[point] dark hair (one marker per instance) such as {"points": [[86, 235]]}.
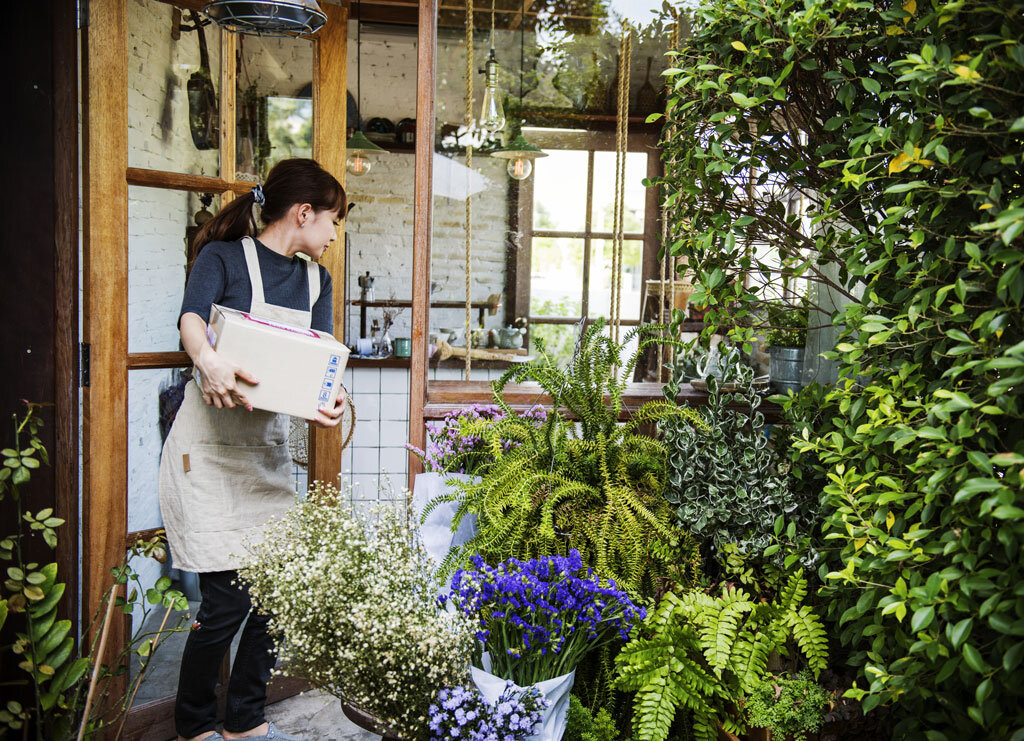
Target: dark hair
{"points": [[290, 181]]}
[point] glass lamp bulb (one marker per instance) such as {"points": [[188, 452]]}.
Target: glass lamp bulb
{"points": [[519, 168], [492, 115], [358, 164]]}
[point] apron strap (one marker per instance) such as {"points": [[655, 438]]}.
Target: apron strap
{"points": [[313, 273], [252, 262]]}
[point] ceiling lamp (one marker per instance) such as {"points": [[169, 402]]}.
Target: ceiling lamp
{"points": [[492, 114], [358, 147], [519, 152], [520, 155], [267, 17]]}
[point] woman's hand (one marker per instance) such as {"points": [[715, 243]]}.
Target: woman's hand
{"points": [[331, 417], [219, 384]]}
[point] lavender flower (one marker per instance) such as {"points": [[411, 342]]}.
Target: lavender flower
{"points": [[538, 618], [463, 713], [451, 448]]}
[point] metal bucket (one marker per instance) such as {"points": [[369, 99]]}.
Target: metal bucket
{"points": [[787, 368]]}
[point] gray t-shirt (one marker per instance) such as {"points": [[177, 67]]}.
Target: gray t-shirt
{"points": [[220, 276]]}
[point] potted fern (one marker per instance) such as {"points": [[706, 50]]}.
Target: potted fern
{"points": [[580, 479]]}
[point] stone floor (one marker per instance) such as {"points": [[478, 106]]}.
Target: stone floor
{"points": [[315, 716]]}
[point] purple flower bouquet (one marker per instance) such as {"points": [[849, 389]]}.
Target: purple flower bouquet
{"points": [[539, 618], [463, 713], [453, 446]]}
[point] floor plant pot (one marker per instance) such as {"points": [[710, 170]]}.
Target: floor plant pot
{"points": [[787, 366], [436, 531], [367, 722], [555, 690]]}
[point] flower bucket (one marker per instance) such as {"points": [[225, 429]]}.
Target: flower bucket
{"points": [[556, 691], [437, 530]]}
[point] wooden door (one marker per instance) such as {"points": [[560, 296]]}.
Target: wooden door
{"points": [[128, 175]]}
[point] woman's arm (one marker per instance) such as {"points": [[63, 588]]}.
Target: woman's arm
{"points": [[219, 386]]}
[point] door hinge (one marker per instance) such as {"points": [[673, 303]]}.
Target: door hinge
{"points": [[83, 363]]}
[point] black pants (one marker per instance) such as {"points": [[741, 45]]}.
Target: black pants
{"points": [[224, 608]]}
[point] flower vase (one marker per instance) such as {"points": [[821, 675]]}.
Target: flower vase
{"points": [[555, 691], [436, 531]]}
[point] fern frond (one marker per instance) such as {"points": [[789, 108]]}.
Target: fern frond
{"points": [[810, 638]]}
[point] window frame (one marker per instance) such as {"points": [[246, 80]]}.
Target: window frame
{"points": [[521, 231]]}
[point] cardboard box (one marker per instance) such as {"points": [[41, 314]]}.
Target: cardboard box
{"points": [[298, 369]]}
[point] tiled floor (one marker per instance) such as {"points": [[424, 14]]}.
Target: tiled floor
{"points": [[315, 716]]}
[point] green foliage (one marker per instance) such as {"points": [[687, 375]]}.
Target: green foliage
{"points": [[581, 480], [44, 647], [725, 482], [787, 326], [900, 124], [582, 725], [790, 707], [704, 654]]}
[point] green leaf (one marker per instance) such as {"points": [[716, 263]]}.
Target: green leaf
{"points": [[973, 659], [922, 618]]}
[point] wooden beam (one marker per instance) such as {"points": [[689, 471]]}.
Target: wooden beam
{"points": [[155, 360], [105, 308], [330, 104], [525, 6], [183, 181], [426, 70]]}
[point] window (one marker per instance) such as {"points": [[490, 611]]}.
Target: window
{"points": [[567, 210]]}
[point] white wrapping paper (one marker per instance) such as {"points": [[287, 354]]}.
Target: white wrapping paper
{"points": [[556, 690]]}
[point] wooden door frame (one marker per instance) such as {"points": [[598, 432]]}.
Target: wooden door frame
{"points": [[105, 181]]}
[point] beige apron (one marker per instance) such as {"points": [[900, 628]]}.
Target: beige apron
{"points": [[224, 473]]}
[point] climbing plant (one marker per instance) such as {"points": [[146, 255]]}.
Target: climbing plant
{"points": [[898, 126]]}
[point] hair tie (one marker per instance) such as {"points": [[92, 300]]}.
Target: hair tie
{"points": [[257, 194]]}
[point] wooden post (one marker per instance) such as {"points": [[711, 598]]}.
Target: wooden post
{"points": [[105, 309], [228, 93], [421, 230], [330, 105]]}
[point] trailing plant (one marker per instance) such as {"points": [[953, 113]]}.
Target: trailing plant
{"points": [[351, 600], [704, 654], [900, 125], [724, 479], [58, 672], [580, 480], [789, 707]]}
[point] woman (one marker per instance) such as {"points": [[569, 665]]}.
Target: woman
{"points": [[225, 468]]}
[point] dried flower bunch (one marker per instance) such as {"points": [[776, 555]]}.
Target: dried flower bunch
{"points": [[539, 618], [463, 713], [353, 609], [456, 445]]}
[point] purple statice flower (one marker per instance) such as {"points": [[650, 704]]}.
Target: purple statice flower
{"points": [[463, 713], [538, 618], [451, 448]]}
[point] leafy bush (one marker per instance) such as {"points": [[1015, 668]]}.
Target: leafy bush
{"points": [[790, 707], [900, 124], [583, 725], [704, 654], [787, 325], [580, 480], [725, 482]]}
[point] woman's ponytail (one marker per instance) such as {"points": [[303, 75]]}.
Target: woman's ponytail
{"points": [[233, 221]]}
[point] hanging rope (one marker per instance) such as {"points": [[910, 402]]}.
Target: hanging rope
{"points": [[469, 194], [618, 210]]}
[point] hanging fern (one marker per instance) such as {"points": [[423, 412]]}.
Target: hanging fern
{"points": [[582, 479], [704, 654]]}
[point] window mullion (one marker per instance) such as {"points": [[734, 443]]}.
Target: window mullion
{"points": [[587, 225]]}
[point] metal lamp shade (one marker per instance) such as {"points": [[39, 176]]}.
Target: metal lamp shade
{"points": [[359, 143], [519, 148], [267, 17]]}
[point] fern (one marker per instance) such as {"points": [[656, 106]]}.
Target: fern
{"points": [[582, 479], [705, 653]]}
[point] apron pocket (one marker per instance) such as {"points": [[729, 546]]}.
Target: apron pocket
{"points": [[237, 487]]}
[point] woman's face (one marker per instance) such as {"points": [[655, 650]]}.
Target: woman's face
{"points": [[319, 231]]}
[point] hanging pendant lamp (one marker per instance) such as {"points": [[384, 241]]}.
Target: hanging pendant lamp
{"points": [[267, 17], [519, 152], [358, 147]]}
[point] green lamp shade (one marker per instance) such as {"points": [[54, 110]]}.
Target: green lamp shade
{"points": [[519, 148], [359, 143]]}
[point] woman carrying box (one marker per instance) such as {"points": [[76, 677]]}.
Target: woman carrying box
{"points": [[225, 469]]}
